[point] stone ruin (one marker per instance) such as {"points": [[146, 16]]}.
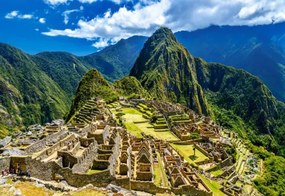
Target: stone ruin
{"points": [[94, 150]]}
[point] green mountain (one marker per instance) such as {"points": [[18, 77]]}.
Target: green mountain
{"points": [[238, 91], [256, 49], [115, 61], [64, 68], [130, 87], [236, 99], [27, 94], [92, 85], [166, 69]]}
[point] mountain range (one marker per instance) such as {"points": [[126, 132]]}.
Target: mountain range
{"points": [[38, 88]]}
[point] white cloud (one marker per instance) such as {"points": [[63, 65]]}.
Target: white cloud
{"points": [[42, 20], [147, 15], [68, 12], [87, 1], [17, 14], [25, 16], [55, 2], [12, 14], [121, 24], [101, 43]]}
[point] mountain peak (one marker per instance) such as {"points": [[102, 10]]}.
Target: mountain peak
{"points": [[164, 68], [161, 34]]}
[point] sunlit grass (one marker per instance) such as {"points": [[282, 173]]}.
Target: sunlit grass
{"points": [[93, 171], [213, 185], [88, 192], [188, 153], [30, 189], [132, 116], [217, 172]]}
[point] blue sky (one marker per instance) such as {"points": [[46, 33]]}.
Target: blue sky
{"points": [[84, 26]]}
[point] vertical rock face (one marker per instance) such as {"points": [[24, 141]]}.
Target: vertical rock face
{"points": [[167, 70]]}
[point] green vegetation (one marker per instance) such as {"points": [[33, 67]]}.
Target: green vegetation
{"points": [[64, 68], [160, 178], [188, 153], [93, 171], [130, 87], [89, 192], [271, 181], [217, 172], [29, 188], [115, 61], [164, 68], [235, 99], [136, 124], [213, 185], [28, 95], [91, 86]]}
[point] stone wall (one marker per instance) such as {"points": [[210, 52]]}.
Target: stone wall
{"points": [[188, 142], [190, 190], [40, 145], [149, 187], [100, 179], [40, 170], [47, 171], [68, 160], [4, 163], [115, 155], [202, 150]]}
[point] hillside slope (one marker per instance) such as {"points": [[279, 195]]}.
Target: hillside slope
{"points": [[64, 68], [116, 61], [165, 68], [256, 49], [28, 95]]}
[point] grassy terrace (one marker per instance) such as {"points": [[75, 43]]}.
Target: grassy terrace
{"points": [[160, 178], [30, 189], [93, 171], [136, 124], [217, 172], [213, 185], [187, 152], [89, 192]]}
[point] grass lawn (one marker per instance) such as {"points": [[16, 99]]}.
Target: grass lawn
{"points": [[6, 192], [187, 151], [157, 175], [89, 192], [30, 189], [217, 172], [93, 171], [133, 129], [213, 185], [133, 115], [160, 175]]}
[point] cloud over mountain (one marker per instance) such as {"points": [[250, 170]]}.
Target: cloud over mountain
{"points": [[147, 15]]}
